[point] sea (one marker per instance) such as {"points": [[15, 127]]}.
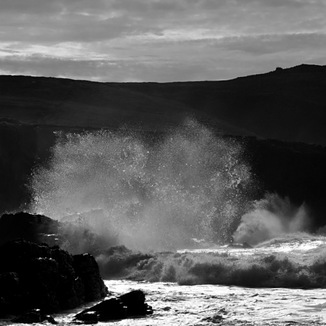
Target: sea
{"points": [[210, 299], [201, 246]]}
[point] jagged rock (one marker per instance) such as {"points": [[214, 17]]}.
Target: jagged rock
{"points": [[134, 301], [88, 317], [48, 278], [36, 228], [87, 269], [129, 305], [34, 316]]}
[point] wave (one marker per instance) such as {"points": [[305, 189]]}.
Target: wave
{"points": [[188, 189], [271, 217], [156, 194], [266, 266]]}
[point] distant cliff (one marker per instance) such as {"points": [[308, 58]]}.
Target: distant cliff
{"points": [[21, 149], [286, 104], [276, 115]]}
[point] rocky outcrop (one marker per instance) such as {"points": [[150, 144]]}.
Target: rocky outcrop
{"points": [[22, 148], [34, 316], [87, 270], [36, 276], [129, 305], [30, 227]]}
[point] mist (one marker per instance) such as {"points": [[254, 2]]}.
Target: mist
{"points": [[190, 185], [270, 217]]}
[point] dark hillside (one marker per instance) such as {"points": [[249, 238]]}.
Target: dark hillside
{"points": [[81, 104], [21, 149], [292, 170], [268, 112], [286, 104]]}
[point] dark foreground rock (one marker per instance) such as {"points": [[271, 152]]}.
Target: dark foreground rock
{"points": [[30, 227], [36, 276], [129, 305], [34, 316]]}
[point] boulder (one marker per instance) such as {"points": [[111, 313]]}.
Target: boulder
{"points": [[88, 271], [129, 305], [34, 316], [36, 276], [134, 302], [35, 228]]}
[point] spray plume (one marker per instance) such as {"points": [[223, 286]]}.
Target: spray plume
{"points": [[190, 184], [270, 217]]}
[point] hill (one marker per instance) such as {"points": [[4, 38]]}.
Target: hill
{"points": [[286, 104], [280, 117]]}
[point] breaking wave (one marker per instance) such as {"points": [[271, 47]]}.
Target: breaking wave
{"points": [[145, 194], [293, 261], [270, 217], [133, 202]]}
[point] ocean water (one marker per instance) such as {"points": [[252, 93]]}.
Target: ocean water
{"points": [[220, 304], [202, 248], [212, 304]]}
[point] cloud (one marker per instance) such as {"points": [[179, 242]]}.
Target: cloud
{"points": [[269, 44], [229, 35], [107, 70], [207, 59]]}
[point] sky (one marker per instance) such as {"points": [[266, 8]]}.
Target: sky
{"points": [[159, 40]]}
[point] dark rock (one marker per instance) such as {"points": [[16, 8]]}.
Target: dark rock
{"points": [[129, 305], [136, 297], [134, 301], [166, 309], [34, 316], [88, 317], [111, 309], [87, 269], [48, 278], [9, 283], [11, 290], [36, 228], [288, 105]]}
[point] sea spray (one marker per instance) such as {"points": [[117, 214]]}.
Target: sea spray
{"points": [[292, 261], [191, 184], [270, 217]]}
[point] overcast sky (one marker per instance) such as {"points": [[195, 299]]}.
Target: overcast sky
{"points": [[159, 40]]}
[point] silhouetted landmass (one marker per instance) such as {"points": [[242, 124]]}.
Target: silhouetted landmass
{"points": [[34, 228], [293, 170], [36, 276], [276, 115], [74, 237], [286, 104], [128, 305], [21, 149]]}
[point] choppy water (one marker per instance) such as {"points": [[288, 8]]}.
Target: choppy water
{"points": [[217, 304], [208, 304], [190, 189], [225, 305], [214, 304]]}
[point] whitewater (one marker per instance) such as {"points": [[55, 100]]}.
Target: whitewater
{"points": [[217, 304], [178, 217]]}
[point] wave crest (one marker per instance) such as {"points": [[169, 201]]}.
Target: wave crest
{"points": [[149, 194]]}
